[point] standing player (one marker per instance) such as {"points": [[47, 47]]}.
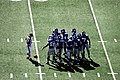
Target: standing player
{"points": [[59, 46], [55, 33], [85, 44], [76, 49], [65, 39], [73, 37], [69, 50], [51, 50], [29, 45]]}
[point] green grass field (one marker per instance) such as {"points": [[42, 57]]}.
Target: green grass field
{"points": [[15, 24]]}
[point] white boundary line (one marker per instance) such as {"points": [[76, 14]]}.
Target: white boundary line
{"points": [[33, 29], [101, 38]]}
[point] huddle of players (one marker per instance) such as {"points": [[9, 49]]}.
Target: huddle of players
{"points": [[72, 46]]}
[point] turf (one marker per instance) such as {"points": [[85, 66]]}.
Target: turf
{"points": [[15, 24]]}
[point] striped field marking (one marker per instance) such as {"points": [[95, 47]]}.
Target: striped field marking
{"points": [[69, 74], [101, 38], [26, 76], [41, 0], [55, 75], [98, 74], [83, 74], [21, 39], [33, 30], [115, 40], [16, 0], [11, 75], [8, 40]]}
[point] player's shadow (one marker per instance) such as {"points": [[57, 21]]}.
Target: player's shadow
{"points": [[35, 63], [93, 63], [61, 67], [88, 64], [65, 67], [75, 65]]}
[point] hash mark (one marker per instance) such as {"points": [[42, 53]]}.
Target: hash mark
{"points": [[83, 74], [26, 76], [69, 74], [115, 40], [21, 39], [11, 75], [55, 75], [98, 74], [8, 40]]}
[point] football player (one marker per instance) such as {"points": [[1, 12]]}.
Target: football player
{"points": [[59, 46], [76, 48], [73, 34], [69, 50], [73, 31], [29, 45], [51, 50], [79, 43], [65, 39], [85, 44], [73, 37], [55, 33]]}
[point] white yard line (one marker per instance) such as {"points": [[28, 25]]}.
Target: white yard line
{"points": [[115, 40], [55, 75], [41, 0], [33, 29], [11, 75], [98, 74], [16, 0], [101, 38], [83, 74], [8, 40], [69, 74]]}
